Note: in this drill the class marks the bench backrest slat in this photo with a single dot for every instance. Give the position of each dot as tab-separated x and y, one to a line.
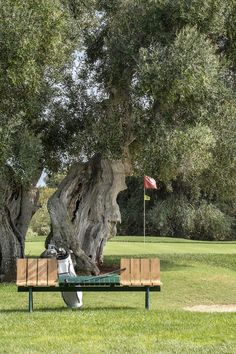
155	271
135	272
32	269
125	275
21	272
42	272
145	271
52	272
140	272
36	272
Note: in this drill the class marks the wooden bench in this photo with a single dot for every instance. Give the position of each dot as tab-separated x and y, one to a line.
41	275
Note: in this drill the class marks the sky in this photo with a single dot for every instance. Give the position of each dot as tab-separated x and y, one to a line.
41	182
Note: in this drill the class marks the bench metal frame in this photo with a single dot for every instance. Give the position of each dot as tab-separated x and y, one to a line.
69	288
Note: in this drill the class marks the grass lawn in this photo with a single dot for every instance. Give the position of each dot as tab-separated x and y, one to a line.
192	273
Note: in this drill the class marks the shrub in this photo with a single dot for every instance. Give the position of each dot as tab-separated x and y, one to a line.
175	216
211	223
31	233
40	223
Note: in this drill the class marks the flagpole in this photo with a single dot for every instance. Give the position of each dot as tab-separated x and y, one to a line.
148	183
144	219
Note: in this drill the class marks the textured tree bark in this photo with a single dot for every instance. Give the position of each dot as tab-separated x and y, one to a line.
84	211
17	207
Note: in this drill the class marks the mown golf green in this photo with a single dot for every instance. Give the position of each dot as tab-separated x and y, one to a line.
192	273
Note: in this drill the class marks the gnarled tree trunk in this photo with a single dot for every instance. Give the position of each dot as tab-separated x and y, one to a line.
84	211
18	204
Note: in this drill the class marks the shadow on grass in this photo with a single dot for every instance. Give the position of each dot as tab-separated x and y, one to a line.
182	261
108	308
55	309
65	309
166	264
187	241
170	266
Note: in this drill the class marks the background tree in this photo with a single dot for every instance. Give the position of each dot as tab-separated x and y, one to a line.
40	222
35	41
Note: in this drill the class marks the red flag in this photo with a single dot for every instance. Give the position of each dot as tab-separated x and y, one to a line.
149	183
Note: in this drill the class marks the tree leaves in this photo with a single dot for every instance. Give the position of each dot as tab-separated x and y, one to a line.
34	44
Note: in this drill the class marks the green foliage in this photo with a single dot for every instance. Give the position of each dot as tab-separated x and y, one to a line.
177	153
222	174
184	73
31	235
131	207
26	158
38	38
40	223
176	216
160	65
211	223
52	181
35	42
154	72
230	37
156	77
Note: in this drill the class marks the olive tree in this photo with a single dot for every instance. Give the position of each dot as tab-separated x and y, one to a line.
152	95
35	42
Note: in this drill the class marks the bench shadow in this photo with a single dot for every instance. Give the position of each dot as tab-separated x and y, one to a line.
64	309
6	311
88	309
170	265
166	265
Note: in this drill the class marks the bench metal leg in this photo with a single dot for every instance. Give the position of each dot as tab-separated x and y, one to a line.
30	300
147	298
